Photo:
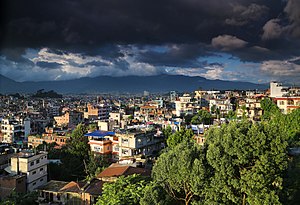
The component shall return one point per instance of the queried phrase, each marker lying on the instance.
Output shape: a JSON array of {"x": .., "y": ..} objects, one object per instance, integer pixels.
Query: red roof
[{"x": 114, "y": 171}]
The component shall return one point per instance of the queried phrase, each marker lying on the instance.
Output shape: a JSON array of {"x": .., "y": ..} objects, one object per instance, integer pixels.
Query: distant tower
[{"x": 173, "y": 96}]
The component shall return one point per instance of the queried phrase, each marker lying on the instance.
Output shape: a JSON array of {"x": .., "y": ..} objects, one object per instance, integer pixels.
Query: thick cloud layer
[{"x": 134, "y": 37}]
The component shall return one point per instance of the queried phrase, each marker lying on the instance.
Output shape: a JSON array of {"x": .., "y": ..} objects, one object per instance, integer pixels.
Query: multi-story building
[
  {"x": 184, "y": 105},
  {"x": 136, "y": 142},
  {"x": 51, "y": 135},
  {"x": 98, "y": 112},
  {"x": 69, "y": 119},
  {"x": 287, "y": 104},
  {"x": 104, "y": 143},
  {"x": 277, "y": 90},
  {"x": 125, "y": 144},
  {"x": 34, "y": 166},
  {"x": 15, "y": 130}
]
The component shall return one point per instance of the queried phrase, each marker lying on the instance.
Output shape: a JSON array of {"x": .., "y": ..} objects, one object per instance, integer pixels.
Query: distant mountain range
[{"x": 131, "y": 84}]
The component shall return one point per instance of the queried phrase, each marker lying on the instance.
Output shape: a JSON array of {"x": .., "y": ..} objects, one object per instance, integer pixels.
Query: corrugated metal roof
[{"x": 99, "y": 133}]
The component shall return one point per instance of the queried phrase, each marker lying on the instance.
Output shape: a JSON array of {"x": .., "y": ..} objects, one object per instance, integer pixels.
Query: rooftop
[{"x": 99, "y": 134}]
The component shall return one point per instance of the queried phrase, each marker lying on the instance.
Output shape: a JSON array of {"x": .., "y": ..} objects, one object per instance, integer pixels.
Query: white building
[
  {"x": 277, "y": 90},
  {"x": 184, "y": 105},
  {"x": 288, "y": 104},
  {"x": 34, "y": 166},
  {"x": 15, "y": 130}
]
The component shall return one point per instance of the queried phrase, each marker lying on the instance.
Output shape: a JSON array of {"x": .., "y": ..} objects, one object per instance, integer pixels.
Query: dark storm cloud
[
  {"x": 48, "y": 65},
  {"x": 67, "y": 23},
  {"x": 179, "y": 55},
  {"x": 118, "y": 31},
  {"x": 243, "y": 15}
]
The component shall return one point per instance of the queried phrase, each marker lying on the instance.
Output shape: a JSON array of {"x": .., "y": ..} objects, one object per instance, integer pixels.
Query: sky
[{"x": 240, "y": 40}]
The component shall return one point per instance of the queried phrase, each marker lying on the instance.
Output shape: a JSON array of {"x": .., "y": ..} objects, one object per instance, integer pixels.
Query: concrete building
[
  {"x": 34, "y": 166},
  {"x": 15, "y": 130},
  {"x": 126, "y": 144},
  {"x": 139, "y": 142},
  {"x": 277, "y": 90},
  {"x": 69, "y": 119},
  {"x": 287, "y": 104},
  {"x": 10, "y": 184},
  {"x": 98, "y": 112},
  {"x": 183, "y": 105}
]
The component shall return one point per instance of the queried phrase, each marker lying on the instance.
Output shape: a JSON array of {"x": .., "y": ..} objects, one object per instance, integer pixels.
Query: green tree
[
  {"x": 248, "y": 162},
  {"x": 231, "y": 114},
  {"x": 92, "y": 127},
  {"x": 269, "y": 108},
  {"x": 203, "y": 116},
  {"x": 167, "y": 131},
  {"x": 125, "y": 190},
  {"x": 182, "y": 172},
  {"x": 95, "y": 165},
  {"x": 21, "y": 199},
  {"x": 156, "y": 195},
  {"x": 179, "y": 136},
  {"x": 78, "y": 144}
]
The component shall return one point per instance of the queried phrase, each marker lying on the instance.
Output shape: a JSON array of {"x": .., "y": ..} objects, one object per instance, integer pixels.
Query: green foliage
[
  {"x": 248, "y": 161},
  {"x": 78, "y": 144},
  {"x": 71, "y": 168},
  {"x": 156, "y": 195},
  {"x": 203, "y": 116},
  {"x": 92, "y": 127},
  {"x": 46, "y": 94},
  {"x": 21, "y": 199},
  {"x": 182, "y": 172},
  {"x": 270, "y": 109},
  {"x": 167, "y": 131},
  {"x": 188, "y": 118},
  {"x": 231, "y": 114},
  {"x": 125, "y": 190},
  {"x": 179, "y": 136},
  {"x": 292, "y": 182},
  {"x": 96, "y": 164}
]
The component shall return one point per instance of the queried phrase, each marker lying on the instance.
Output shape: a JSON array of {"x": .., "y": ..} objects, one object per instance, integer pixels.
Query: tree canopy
[
  {"x": 248, "y": 161},
  {"x": 179, "y": 136},
  {"x": 203, "y": 116},
  {"x": 125, "y": 190},
  {"x": 182, "y": 172}
]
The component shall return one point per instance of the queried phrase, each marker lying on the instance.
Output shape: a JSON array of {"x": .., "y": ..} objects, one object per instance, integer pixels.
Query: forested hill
[{"x": 132, "y": 84}]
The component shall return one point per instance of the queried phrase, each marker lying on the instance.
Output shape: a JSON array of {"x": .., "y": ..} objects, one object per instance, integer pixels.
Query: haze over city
[{"x": 247, "y": 40}]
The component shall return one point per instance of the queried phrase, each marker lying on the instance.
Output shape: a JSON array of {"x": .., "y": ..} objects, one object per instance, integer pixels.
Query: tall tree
[
  {"x": 125, "y": 190},
  {"x": 248, "y": 161},
  {"x": 180, "y": 136},
  {"x": 182, "y": 172},
  {"x": 156, "y": 195},
  {"x": 269, "y": 108},
  {"x": 78, "y": 144},
  {"x": 203, "y": 116}
]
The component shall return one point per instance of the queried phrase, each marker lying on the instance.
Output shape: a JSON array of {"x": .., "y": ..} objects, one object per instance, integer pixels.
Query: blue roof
[{"x": 99, "y": 134}]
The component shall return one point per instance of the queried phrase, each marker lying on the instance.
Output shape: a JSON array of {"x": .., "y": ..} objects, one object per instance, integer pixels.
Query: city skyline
[{"x": 255, "y": 41}]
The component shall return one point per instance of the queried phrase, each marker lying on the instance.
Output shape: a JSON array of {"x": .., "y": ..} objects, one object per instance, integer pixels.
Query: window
[
  {"x": 124, "y": 140},
  {"x": 31, "y": 163},
  {"x": 34, "y": 184},
  {"x": 124, "y": 151},
  {"x": 34, "y": 172},
  {"x": 37, "y": 161},
  {"x": 41, "y": 169}
]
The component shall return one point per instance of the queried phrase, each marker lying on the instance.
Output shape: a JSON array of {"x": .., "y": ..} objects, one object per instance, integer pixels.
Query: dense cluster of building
[{"x": 127, "y": 128}]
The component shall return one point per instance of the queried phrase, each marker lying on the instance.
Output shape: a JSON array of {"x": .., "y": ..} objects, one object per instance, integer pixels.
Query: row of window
[
  {"x": 34, "y": 172},
  {"x": 38, "y": 160}
]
